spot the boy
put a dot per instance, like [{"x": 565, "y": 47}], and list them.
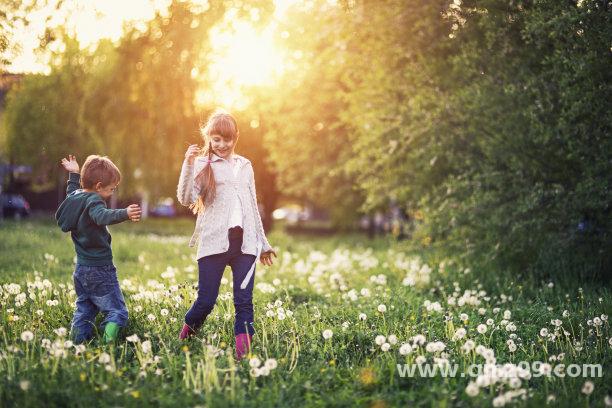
[{"x": 85, "y": 215}]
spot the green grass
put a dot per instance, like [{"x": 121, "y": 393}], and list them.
[{"x": 315, "y": 279}]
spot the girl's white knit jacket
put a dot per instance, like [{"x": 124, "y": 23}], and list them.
[{"x": 212, "y": 223}]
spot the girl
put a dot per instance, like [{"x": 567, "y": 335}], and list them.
[{"x": 219, "y": 186}]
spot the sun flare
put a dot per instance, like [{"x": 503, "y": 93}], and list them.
[{"x": 242, "y": 56}]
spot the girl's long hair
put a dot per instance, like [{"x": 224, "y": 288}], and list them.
[{"x": 219, "y": 123}]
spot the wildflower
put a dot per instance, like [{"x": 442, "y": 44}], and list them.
[
  {"x": 385, "y": 347},
  {"x": 104, "y": 358},
  {"x": 133, "y": 338},
  {"x": 151, "y": 317},
  {"x": 27, "y": 336},
  {"x": 164, "y": 312},
  {"x": 420, "y": 360},
  {"x": 327, "y": 334},
  {"x": 507, "y": 315},
  {"x": 588, "y": 387},
  {"x": 362, "y": 317},
  {"x": 271, "y": 363},
  {"x": 566, "y": 313},
  {"x": 544, "y": 332},
  {"x": 472, "y": 389},
  {"x": 468, "y": 346},
  {"x": 380, "y": 339},
  {"x": 393, "y": 339},
  {"x": 146, "y": 346},
  {"x": 61, "y": 332},
  {"x": 405, "y": 349},
  {"x": 24, "y": 385},
  {"x": 463, "y": 317},
  {"x": 254, "y": 362},
  {"x": 482, "y": 329},
  {"x": 382, "y": 308}
]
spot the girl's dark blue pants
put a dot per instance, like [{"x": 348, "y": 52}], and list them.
[{"x": 210, "y": 273}]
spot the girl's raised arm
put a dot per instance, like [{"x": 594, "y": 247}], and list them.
[{"x": 185, "y": 191}]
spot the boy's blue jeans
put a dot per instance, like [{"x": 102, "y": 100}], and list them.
[
  {"x": 210, "y": 273},
  {"x": 97, "y": 289}
]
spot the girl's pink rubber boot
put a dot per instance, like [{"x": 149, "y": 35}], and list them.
[
  {"x": 186, "y": 332},
  {"x": 243, "y": 344}
]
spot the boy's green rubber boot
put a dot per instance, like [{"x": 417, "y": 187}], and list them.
[{"x": 111, "y": 331}]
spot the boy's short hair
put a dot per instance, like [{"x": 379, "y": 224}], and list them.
[{"x": 99, "y": 169}]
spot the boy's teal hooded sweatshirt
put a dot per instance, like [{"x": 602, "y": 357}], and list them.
[{"x": 85, "y": 215}]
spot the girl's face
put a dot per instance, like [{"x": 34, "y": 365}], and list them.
[{"x": 222, "y": 147}]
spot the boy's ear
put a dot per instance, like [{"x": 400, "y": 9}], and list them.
[{"x": 98, "y": 186}]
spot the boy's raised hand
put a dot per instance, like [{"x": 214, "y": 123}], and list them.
[
  {"x": 134, "y": 212},
  {"x": 70, "y": 164}
]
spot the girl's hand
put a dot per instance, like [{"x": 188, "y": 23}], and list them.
[
  {"x": 192, "y": 152},
  {"x": 70, "y": 164},
  {"x": 266, "y": 257},
  {"x": 134, "y": 212}
]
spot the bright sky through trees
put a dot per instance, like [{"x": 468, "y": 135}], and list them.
[{"x": 244, "y": 55}]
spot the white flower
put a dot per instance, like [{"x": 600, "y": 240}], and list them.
[
  {"x": 405, "y": 349},
  {"x": 385, "y": 347},
  {"x": 588, "y": 387},
  {"x": 512, "y": 347},
  {"x": 254, "y": 362},
  {"x": 459, "y": 334},
  {"x": 472, "y": 389},
  {"x": 468, "y": 346},
  {"x": 151, "y": 317},
  {"x": 382, "y": 308},
  {"x": 464, "y": 317},
  {"x": 420, "y": 360},
  {"x": 507, "y": 315},
  {"x": 482, "y": 328},
  {"x": 566, "y": 313},
  {"x": 39, "y": 312},
  {"x": 164, "y": 312},
  {"x": 24, "y": 385},
  {"x": 61, "y": 332},
  {"x": 362, "y": 317},
  {"x": 146, "y": 346},
  {"x": 490, "y": 322},
  {"x": 27, "y": 336},
  {"x": 264, "y": 371},
  {"x": 380, "y": 339},
  {"x": 104, "y": 358},
  {"x": 79, "y": 349},
  {"x": 133, "y": 338},
  {"x": 271, "y": 364},
  {"x": 392, "y": 339},
  {"x": 499, "y": 401},
  {"x": 138, "y": 308},
  {"x": 254, "y": 372},
  {"x": 544, "y": 332},
  {"x": 327, "y": 334}
]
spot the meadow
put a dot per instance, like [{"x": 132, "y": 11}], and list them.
[{"x": 334, "y": 318}]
